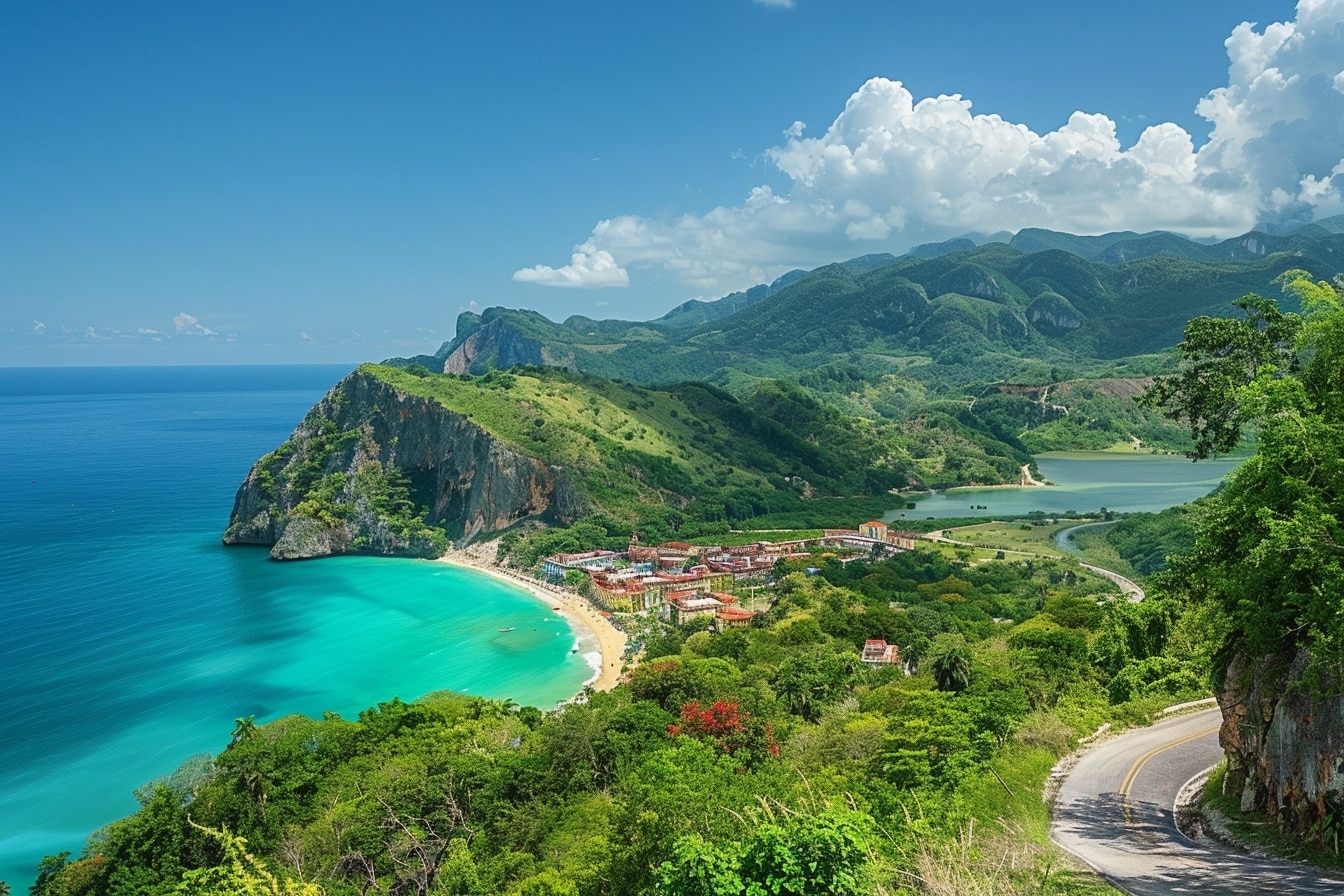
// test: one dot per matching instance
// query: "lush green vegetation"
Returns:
(1145, 540)
(1014, 336)
(759, 760)
(691, 460)
(1265, 571)
(1276, 527)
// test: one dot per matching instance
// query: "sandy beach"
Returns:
(582, 615)
(1027, 481)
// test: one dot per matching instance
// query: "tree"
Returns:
(788, 852)
(48, 872)
(244, 729)
(808, 680)
(950, 658)
(239, 873)
(1223, 359)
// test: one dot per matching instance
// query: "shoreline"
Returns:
(582, 616)
(1027, 481)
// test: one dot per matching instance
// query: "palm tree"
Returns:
(244, 729)
(951, 663)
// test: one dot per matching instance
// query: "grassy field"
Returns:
(1015, 537)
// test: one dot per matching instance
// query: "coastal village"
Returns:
(678, 582)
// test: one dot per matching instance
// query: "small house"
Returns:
(874, 529)
(877, 652)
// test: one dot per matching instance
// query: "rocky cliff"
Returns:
(1284, 742)
(496, 342)
(372, 469)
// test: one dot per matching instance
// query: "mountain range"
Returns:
(947, 313)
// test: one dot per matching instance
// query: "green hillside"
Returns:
(1048, 309)
(713, 458)
(1052, 303)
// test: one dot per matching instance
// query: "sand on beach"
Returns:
(579, 612)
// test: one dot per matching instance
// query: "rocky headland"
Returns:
(374, 470)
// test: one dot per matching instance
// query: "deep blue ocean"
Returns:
(130, 638)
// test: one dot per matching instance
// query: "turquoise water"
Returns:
(1085, 481)
(131, 638)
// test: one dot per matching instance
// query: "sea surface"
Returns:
(131, 639)
(1084, 481)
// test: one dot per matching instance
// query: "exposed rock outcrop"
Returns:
(1284, 744)
(495, 342)
(367, 447)
(972, 280)
(1052, 314)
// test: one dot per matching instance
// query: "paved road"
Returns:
(1133, 593)
(1114, 811)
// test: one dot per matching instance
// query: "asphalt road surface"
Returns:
(1115, 812)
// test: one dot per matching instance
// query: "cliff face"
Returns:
(369, 465)
(497, 344)
(1285, 750)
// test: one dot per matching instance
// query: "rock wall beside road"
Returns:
(1284, 743)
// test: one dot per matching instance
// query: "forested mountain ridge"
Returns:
(1044, 296)
(944, 330)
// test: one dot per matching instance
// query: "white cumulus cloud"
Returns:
(39, 328)
(187, 325)
(891, 171)
(782, 4)
(589, 266)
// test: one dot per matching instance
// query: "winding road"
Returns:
(1064, 539)
(1115, 812)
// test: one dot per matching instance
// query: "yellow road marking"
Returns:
(1128, 784)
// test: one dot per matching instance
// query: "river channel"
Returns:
(1084, 482)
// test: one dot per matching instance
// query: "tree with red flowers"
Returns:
(728, 726)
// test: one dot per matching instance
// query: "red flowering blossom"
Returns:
(723, 719)
(727, 726)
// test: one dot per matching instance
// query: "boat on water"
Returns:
(509, 629)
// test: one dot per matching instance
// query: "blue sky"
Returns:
(271, 182)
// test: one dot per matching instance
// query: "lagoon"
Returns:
(1084, 482)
